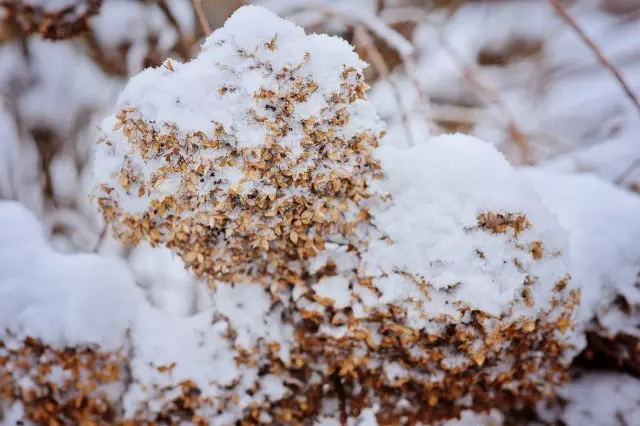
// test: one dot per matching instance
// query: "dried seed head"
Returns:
(240, 150)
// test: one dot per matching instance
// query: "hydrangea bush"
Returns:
(401, 284)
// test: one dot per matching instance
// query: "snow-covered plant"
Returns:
(52, 93)
(253, 169)
(412, 282)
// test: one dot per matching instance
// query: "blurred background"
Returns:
(551, 83)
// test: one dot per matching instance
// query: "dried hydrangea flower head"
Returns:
(52, 19)
(461, 300)
(420, 281)
(253, 154)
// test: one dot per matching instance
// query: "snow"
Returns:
(190, 95)
(598, 399)
(64, 177)
(101, 303)
(334, 288)
(168, 285)
(602, 221)
(439, 187)
(10, 149)
(59, 90)
(96, 294)
(563, 100)
(126, 23)
(55, 4)
(469, 418)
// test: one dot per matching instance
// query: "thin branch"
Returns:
(458, 113)
(425, 100)
(403, 14)
(627, 172)
(100, 240)
(204, 23)
(489, 95)
(604, 61)
(181, 47)
(364, 40)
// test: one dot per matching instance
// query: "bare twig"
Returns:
(403, 14)
(425, 100)
(364, 40)
(100, 240)
(457, 113)
(489, 95)
(604, 61)
(182, 47)
(204, 23)
(627, 172)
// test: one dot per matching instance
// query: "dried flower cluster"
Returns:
(257, 163)
(261, 189)
(54, 20)
(355, 350)
(59, 386)
(80, 385)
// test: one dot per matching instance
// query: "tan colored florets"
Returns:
(266, 188)
(60, 386)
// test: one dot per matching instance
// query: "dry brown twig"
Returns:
(399, 43)
(204, 23)
(489, 95)
(604, 61)
(100, 240)
(51, 22)
(627, 172)
(363, 39)
(487, 92)
(182, 47)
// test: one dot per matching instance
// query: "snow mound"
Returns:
(604, 255)
(464, 269)
(96, 294)
(599, 399)
(464, 222)
(77, 326)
